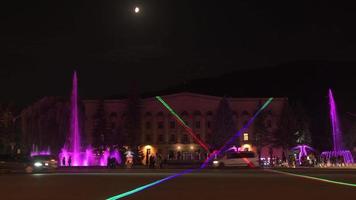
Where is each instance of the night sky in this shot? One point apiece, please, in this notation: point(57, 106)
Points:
point(42, 42)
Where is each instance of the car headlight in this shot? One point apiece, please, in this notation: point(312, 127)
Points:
point(46, 164)
point(38, 164)
point(215, 162)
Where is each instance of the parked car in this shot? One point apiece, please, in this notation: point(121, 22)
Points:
point(10, 163)
point(237, 159)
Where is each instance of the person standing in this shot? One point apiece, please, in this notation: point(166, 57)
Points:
point(70, 161)
point(152, 161)
point(148, 159)
point(159, 161)
point(64, 161)
point(108, 162)
point(129, 159)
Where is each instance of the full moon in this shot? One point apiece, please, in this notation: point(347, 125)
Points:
point(137, 9)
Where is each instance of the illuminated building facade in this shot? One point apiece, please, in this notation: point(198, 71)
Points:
point(161, 133)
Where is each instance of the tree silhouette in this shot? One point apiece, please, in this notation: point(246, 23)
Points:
point(133, 120)
point(99, 129)
point(45, 124)
point(6, 128)
point(262, 136)
point(302, 121)
point(285, 134)
point(224, 126)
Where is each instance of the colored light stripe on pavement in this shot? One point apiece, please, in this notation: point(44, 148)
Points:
point(313, 178)
point(128, 193)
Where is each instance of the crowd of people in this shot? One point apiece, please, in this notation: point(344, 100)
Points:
point(155, 161)
point(310, 160)
point(334, 161)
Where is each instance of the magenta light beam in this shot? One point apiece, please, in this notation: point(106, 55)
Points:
point(211, 156)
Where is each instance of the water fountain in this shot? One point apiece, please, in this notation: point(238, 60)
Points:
point(302, 148)
point(338, 150)
point(73, 149)
point(36, 152)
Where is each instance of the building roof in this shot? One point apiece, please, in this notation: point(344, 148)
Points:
point(189, 94)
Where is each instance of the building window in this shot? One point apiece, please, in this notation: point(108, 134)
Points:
point(185, 139)
point(159, 151)
point(160, 125)
point(113, 125)
point(148, 138)
point(148, 114)
point(148, 125)
point(113, 114)
point(245, 112)
point(160, 138)
point(113, 117)
point(269, 123)
point(198, 136)
point(245, 123)
point(172, 124)
point(208, 124)
point(245, 136)
point(172, 139)
point(197, 124)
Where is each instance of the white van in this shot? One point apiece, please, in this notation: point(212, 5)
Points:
point(237, 159)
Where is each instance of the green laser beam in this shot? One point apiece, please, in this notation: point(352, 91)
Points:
point(134, 190)
point(315, 178)
point(267, 103)
point(170, 110)
point(141, 188)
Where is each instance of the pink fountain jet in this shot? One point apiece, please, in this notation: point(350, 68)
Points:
point(73, 149)
point(338, 149)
